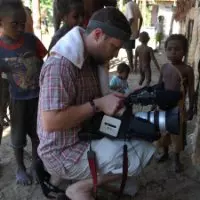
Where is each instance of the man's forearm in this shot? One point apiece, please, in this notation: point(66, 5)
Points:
point(66, 119)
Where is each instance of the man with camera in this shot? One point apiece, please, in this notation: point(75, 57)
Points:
point(70, 94)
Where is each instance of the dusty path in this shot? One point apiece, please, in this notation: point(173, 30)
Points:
point(158, 182)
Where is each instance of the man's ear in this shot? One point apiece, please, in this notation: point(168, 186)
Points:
point(98, 33)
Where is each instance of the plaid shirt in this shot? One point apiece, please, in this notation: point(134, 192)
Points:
point(62, 85)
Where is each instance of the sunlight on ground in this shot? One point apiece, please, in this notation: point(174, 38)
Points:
point(6, 132)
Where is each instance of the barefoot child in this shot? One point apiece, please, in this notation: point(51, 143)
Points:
point(145, 55)
point(119, 83)
point(23, 52)
point(159, 32)
point(177, 76)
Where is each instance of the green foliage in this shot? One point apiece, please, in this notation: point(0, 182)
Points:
point(148, 16)
point(47, 4)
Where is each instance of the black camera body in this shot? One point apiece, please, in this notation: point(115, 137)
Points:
point(141, 125)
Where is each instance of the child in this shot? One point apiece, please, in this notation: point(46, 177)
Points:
point(145, 54)
point(71, 12)
point(177, 76)
point(4, 83)
point(159, 31)
point(90, 6)
point(119, 83)
point(23, 52)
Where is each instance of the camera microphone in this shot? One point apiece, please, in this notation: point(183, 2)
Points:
point(165, 99)
point(143, 125)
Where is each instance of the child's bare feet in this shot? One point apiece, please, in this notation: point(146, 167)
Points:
point(22, 177)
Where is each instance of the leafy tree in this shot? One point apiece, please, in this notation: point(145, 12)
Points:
point(45, 5)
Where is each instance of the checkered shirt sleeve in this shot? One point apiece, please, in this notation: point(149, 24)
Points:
point(57, 85)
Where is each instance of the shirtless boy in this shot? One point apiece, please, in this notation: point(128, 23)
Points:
point(178, 76)
point(145, 54)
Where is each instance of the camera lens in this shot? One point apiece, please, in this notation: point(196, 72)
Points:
point(163, 120)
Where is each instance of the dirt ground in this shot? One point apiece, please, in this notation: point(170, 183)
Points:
point(157, 182)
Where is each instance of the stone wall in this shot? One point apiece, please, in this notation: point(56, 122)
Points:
point(193, 59)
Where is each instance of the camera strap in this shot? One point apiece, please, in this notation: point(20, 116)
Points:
point(126, 118)
point(124, 172)
point(91, 155)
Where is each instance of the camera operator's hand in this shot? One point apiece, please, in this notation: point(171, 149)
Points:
point(111, 103)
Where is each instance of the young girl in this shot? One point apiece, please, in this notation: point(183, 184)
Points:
point(71, 12)
point(177, 76)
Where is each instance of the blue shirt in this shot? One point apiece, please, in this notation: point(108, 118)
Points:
point(119, 85)
point(25, 60)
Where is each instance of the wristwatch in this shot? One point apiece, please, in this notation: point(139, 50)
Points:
point(95, 109)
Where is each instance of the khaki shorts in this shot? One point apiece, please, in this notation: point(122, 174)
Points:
point(159, 37)
point(109, 155)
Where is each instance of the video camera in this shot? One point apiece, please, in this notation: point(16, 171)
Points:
point(143, 125)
